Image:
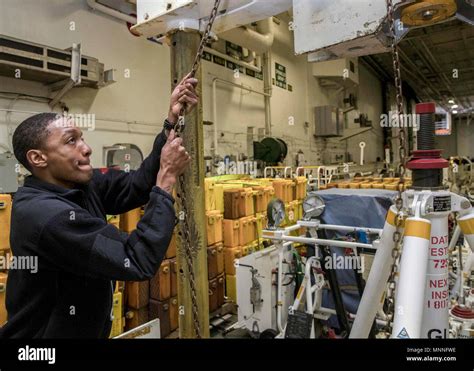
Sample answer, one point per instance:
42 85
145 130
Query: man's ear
37 158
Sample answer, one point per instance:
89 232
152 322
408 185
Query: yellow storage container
5 221
117 312
262 222
290 214
246 206
245 250
283 189
391 186
230 255
290 190
3 289
172 248
259 245
253 247
269 195
214 227
114 220
129 221
294 206
260 199
214 193
231 232
299 209
231 287
367 185
354 185
300 187
344 185
248 230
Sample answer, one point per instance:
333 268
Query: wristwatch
168 125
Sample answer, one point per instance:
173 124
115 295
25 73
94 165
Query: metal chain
397 235
189 235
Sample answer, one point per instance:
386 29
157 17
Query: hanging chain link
397 235
189 235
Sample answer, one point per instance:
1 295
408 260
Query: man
59 216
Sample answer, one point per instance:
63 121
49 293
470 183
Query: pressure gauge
275 213
313 206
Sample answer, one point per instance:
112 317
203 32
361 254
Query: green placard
207 56
218 60
250 72
280 76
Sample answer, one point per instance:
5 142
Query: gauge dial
275 213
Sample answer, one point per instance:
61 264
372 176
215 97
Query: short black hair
31 134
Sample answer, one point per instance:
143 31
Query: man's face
68 155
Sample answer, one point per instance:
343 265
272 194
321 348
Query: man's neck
49 179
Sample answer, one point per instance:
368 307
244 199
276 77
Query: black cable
335 289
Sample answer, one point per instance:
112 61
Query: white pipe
454 238
249 66
268 89
318 241
410 293
259 41
214 118
155 125
343 228
250 57
112 12
280 289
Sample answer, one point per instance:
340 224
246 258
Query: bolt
428 15
146 16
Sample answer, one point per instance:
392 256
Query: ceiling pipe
259 41
94 4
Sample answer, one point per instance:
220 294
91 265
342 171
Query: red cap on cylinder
425 108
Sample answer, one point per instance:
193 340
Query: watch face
313 206
276 213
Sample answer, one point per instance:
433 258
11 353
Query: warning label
442 203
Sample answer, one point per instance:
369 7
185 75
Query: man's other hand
173 163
